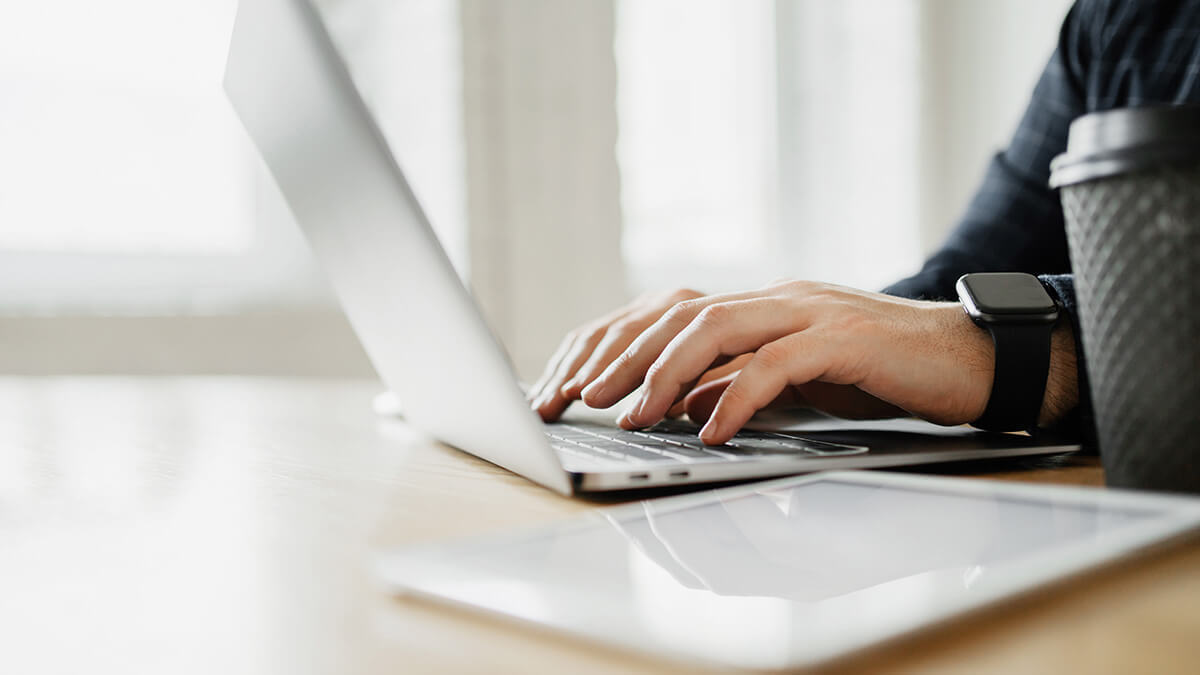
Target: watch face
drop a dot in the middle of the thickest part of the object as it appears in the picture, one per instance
(1008, 293)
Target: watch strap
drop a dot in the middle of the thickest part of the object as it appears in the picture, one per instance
(1019, 380)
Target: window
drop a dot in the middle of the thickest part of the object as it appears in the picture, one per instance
(828, 139)
(128, 185)
(768, 139)
(696, 87)
(116, 141)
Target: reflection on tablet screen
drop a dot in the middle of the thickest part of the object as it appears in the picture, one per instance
(828, 538)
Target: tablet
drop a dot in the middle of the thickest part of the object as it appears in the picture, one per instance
(791, 572)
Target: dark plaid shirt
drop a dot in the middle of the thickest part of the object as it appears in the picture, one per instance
(1110, 54)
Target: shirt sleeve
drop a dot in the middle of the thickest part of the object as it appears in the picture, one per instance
(1110, 54)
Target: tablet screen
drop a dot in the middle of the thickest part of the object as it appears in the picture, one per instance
(826, 539)
(781, 575)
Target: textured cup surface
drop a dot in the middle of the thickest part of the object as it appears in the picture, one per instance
(1135, 251)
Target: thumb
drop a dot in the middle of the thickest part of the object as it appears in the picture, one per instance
(700, 402)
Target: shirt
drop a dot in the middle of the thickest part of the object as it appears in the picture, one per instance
(1110, 54)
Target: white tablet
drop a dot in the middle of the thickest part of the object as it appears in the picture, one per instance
(791, 572)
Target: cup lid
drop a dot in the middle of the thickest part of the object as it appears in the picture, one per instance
(1120, 141)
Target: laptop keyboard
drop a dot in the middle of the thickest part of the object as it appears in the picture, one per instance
(673, 442)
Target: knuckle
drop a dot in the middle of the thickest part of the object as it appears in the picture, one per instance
(803, 286)
(772, 356)
(737, 395)
(713, 316)
(625, 328)
(682, 294)
(656, 374)
(593, 331)
(623, 361)
(680, 311)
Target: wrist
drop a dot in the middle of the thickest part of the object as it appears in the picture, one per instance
(974, 356)
(1062, 385)
(1020, 316)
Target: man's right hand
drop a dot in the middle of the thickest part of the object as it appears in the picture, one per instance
(588, 350)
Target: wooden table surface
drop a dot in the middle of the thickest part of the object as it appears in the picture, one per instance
(225, 525)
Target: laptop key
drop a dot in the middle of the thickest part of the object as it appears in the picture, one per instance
(676, 450)
(755, 445)
(642, 453)
(689, 454)
(586, 455)
(668, 441)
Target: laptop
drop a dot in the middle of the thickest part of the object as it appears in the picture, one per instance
(421, 327)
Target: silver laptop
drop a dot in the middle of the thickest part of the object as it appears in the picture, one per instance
(421, 327)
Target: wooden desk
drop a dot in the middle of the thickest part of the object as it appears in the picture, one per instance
(224, 525)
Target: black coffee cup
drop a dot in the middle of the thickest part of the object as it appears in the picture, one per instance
(1130, 188)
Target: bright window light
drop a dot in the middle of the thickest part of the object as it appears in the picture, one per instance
(127, 184)
(116, 137)
(696, 146)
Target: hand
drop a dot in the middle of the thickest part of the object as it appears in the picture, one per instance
(817, 344)
(586, 351)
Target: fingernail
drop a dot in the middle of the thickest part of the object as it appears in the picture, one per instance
(627, 418)
(567, 389)
(640, 408)
(711, 430)
(593, 390)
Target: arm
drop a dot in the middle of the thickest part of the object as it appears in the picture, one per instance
(1015, 222)
(1110, 54)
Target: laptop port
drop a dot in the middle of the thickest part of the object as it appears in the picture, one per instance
(680, 475)
(639, 476)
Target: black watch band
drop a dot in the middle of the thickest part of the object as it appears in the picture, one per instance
(1020, 315)
(1019, 381)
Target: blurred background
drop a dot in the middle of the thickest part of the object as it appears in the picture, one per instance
(570, 153)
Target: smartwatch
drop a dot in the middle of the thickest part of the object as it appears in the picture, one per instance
(1020, 315)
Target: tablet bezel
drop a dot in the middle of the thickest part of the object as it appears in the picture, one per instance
(1175, 517)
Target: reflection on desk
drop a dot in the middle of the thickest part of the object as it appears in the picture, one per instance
(152, 525)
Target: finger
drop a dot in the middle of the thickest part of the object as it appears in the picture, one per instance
(616, 340)
(728, 368)
(721, 329)
(701, 401)
(551, 404)
(719, 372)
(535, 392)
(795, 359)
(625, 373)
(564, 348)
